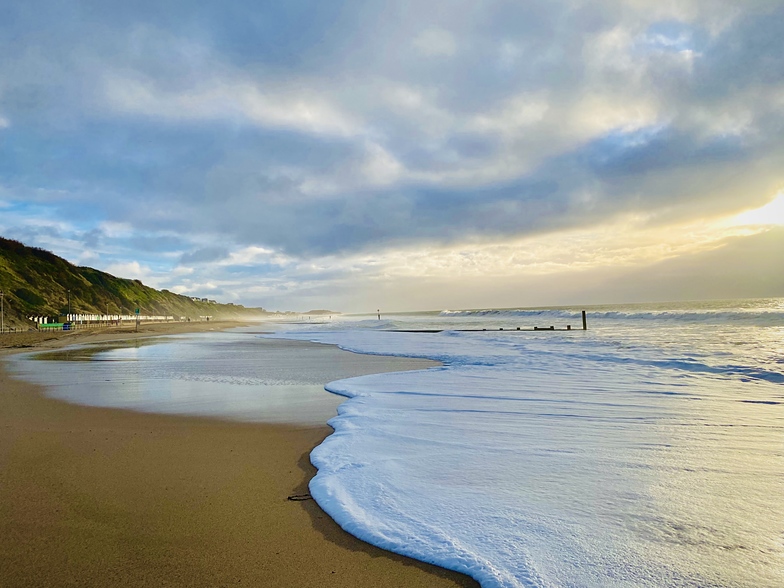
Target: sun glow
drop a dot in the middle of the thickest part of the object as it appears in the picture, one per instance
(625, 242)
(770, 214)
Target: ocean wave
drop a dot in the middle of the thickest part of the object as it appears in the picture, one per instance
(768, 317)
(742, 372)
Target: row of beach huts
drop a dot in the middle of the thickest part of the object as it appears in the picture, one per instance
(67, 321)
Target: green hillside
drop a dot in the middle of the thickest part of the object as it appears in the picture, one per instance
(35, 282)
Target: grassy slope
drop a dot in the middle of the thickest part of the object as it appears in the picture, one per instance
(36, 282)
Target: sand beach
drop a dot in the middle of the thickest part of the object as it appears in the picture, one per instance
(106, 497)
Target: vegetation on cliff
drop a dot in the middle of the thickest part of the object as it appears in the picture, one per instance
(36, 282)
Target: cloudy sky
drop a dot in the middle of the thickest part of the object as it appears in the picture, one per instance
(404, 154)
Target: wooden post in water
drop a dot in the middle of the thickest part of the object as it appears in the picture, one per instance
(585, 322)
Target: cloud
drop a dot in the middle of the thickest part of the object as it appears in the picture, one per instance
(206, 254)
(436, 42)
(261, 139)
(132, 269)
(228, 99)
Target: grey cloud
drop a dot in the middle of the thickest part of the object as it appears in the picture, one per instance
(307, 193)
(156, 243)
(745, 55)
(92, 239)
(205, 255)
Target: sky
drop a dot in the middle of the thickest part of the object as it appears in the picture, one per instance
(356, 155)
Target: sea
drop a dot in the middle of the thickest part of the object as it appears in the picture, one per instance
(645, 451)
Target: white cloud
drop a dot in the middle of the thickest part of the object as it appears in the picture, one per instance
(255, 255)
(132, 270)
(86, 257)
(380, 167)
(596, 114)
(297, 104)
(117, 230)
(515, 116)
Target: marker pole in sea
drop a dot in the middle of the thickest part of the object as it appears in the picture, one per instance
(585, 322)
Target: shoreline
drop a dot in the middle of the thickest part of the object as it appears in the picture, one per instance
(110, 497)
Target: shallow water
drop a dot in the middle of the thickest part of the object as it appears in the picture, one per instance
(232, 375)
(646, 451)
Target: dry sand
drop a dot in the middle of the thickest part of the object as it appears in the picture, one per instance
(98, 497)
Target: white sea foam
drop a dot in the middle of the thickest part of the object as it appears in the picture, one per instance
(625, 455)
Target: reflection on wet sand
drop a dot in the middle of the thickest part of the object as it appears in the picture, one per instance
(231, 375)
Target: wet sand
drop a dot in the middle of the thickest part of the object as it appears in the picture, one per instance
(105, 497)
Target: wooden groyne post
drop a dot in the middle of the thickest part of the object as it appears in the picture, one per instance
(585, 322)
